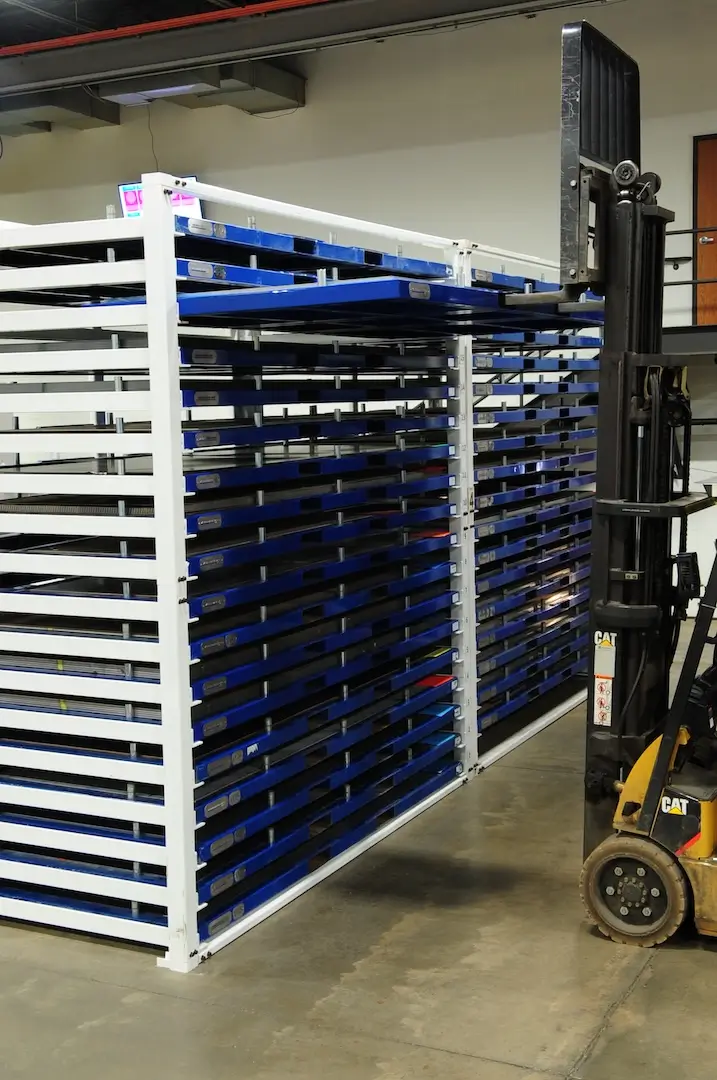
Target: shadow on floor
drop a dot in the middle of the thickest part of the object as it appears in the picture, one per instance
(420, 878)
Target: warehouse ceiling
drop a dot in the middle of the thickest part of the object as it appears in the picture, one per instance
(75, 62)
(24, 21)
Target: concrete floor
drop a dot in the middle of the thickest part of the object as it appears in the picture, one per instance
(456, 950)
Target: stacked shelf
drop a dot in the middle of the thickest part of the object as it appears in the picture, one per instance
(239, 604)
(205, 252)
(227, 609)
(536, 404)
(319, 605)
(324, 684)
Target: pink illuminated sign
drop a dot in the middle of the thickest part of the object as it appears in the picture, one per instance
(132, 199)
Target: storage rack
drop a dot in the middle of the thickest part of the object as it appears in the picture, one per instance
(239, 592)
(536, 404)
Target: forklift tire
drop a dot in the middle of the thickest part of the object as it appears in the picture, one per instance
(634, 891)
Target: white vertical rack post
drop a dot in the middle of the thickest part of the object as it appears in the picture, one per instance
(173, 622)
(460, 376)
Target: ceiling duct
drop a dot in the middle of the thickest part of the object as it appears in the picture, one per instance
(254, 86)
(25, 114)
(149, 88)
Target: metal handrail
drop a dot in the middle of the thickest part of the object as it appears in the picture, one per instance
(690, 232)
(692, 281)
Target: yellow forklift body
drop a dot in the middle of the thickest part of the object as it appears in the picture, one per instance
(635, 786)
(697, 855)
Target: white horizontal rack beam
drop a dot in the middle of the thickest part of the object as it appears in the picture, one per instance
(70, 565)
(137, 772)
(99, 230)
(82, 443)
(69, 645)
(87, 383)
(85, 805)
(84, 921)
(74, 276)
(48, 483)
(77, 524)
(105, 316)
(83, 843)
(92, 727)
(59, 360)
(111, 401)
(79, 607)
(65, 685)
(259, 204)
(96, 884)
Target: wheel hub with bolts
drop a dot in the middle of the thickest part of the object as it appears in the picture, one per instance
(633, 891)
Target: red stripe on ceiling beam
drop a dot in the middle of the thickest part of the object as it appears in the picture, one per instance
(266, 7)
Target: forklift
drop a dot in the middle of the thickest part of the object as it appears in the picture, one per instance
(651, 763)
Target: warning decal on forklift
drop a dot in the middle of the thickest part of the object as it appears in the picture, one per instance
(604, 674)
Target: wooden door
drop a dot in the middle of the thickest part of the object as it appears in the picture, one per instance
(705, 218)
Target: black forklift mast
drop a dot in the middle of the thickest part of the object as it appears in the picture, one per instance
(613, 246)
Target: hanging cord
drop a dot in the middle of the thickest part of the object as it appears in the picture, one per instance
(151, 136)
(276, 115)
(633, 688)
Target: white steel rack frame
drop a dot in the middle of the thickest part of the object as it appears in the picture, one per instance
(156, 322)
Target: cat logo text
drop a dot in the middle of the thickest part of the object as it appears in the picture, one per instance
(674, 806)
